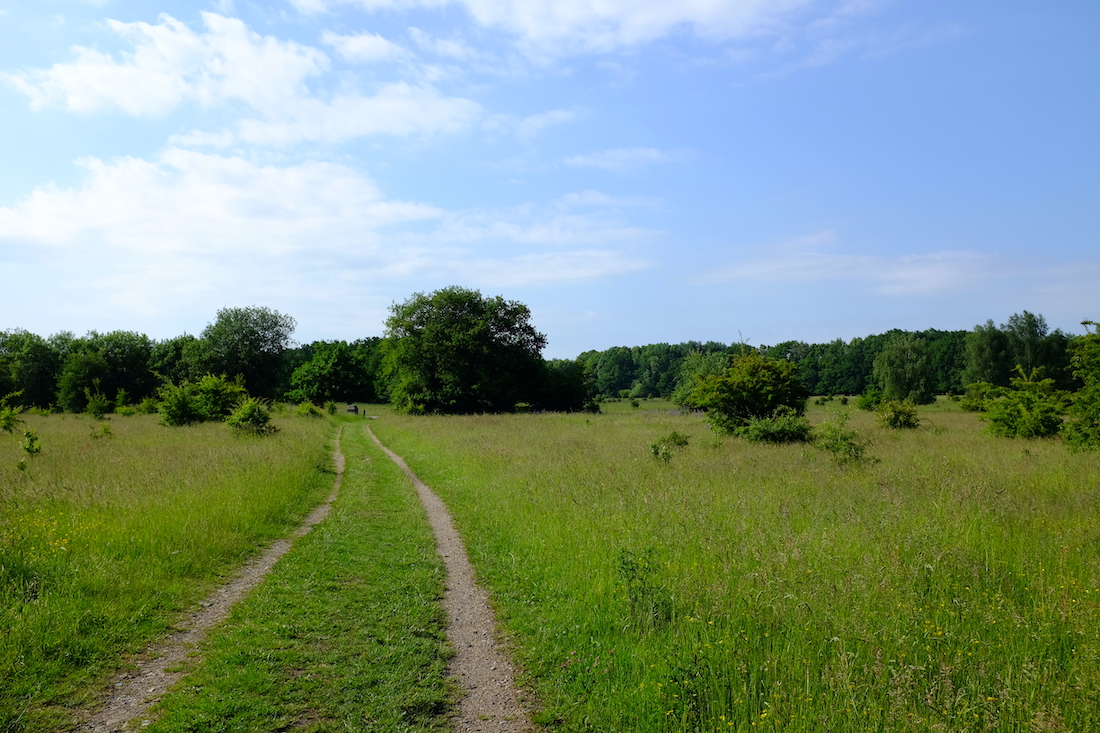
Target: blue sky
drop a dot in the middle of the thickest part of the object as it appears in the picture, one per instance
(635, 171)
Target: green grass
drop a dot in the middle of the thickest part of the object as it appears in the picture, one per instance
(345, 634)
(116, 527)
(951, 581)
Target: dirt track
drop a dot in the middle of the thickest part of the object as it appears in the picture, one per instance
(491, 702)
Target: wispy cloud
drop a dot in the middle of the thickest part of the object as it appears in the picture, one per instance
(806, 259)
(365, 47)
(530, 127)
(624, 159)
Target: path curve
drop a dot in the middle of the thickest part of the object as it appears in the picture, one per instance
(132, 694)
(491, 702)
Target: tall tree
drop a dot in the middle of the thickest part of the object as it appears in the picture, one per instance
(903, 370)
(456, 351)
(987, 356)
(250, 342)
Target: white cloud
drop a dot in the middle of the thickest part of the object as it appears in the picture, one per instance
(171, 64)
(365, 47)
(801, 260)
(554, 26)
(456, 50)
(623, 159)
(529, 127)
(188, 228)
(397, 109)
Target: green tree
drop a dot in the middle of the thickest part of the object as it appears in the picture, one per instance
(903, 370)
(694, 368)
(336, 371)
(83, 371)
(1083, 430)
(987, 356)
(32, 365)
(456, 351)
(752, 388)
(249, 342)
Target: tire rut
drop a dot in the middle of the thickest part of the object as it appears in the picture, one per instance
(491, 701)
(132, 694)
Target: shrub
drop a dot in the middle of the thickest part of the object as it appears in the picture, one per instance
(979, 395)
(898, 414)
(1032, 408)
(1024, 415)
(96, 403)
(251, 416)
(330, 407)
(835, 438)
(783, 426)
(308, 409)
(754, 386)
(216, 396)
(178, 405)
(148, 406)
(870, 399)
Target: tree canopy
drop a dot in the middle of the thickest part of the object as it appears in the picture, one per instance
(456, 351)
(249, 342)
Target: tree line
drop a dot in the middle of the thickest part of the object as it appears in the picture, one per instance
(923, 362)
(455, 350)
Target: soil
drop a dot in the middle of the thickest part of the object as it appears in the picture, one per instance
(490, 703)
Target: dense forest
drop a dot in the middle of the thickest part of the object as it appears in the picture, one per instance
(62, 371)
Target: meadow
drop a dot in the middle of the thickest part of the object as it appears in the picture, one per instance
(948, 581)
(116, 527)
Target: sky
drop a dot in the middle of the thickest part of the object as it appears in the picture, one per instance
(634, 171)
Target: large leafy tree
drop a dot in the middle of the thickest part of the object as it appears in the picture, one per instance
(903, 370)
(249, 342)
(337, 370)
(456, 351)
(30, 364)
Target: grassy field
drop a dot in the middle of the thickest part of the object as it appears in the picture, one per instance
(951, 581)
(116, 527)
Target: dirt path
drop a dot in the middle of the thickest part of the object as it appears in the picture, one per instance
(491, 701)
(133, 693)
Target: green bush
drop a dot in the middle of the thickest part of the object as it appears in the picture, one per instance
(1032, 408)
(979, 395)
(754, 386)
(308, 409)
(216, 396)
(178, 405)
(148, 406)
(870, 399)
(330, 407)
(251, 416)
(783, 426)
(97, 405)
(835, 438)
(898, 414)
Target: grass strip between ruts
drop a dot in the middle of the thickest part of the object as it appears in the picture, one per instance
(347, 633)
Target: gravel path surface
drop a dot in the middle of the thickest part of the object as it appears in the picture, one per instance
(491, 701)
(133, 693)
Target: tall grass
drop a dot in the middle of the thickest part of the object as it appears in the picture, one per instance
(949, 582)
(107, 534)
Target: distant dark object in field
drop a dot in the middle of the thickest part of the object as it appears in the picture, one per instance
(354, 409)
